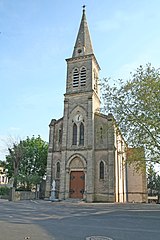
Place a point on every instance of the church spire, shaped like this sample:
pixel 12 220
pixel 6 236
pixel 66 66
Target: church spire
pixel 83 45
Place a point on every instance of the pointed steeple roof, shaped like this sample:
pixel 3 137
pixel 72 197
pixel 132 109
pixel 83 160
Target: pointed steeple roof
pixel 83 45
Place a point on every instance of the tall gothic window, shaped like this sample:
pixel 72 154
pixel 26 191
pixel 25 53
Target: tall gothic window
pixel 101 134
pixel 58 170
pixel 81 134
pixel 83 76
pixel 75 77
pixel 74 140
pixel 95 82
pixel 101 170
pixel 60 136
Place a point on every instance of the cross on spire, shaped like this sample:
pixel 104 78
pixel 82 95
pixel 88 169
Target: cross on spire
pixel 84 7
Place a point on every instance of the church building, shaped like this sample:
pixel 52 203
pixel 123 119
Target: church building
pixel 87 154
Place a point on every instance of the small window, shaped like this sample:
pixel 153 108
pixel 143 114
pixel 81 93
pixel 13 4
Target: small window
pixel 79 50
pixel 95 82
pixel 101 170
pixel 60 136
pixel 58 170
pixel 83 76
pixel 75 78
pixel 101 133
pixel 81 136
pixel 74 140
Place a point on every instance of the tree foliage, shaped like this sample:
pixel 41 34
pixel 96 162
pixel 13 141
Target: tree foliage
pixel 27 161
pixel 135 105
pixel 153 181
pixel 13 160
pixel 4 190
pixel 2 163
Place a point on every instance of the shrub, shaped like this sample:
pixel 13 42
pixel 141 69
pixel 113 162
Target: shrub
pixel 4 191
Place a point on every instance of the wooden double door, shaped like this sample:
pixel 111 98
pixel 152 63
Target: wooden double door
pixel 77 184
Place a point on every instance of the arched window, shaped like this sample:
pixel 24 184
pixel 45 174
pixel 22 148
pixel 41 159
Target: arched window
pixel 83 76
pixel 58 170
pixel 101 170
pixel 74 140
pixel 81 134
pixel 75 77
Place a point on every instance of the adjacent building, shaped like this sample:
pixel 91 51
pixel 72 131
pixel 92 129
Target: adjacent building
pixel 3 176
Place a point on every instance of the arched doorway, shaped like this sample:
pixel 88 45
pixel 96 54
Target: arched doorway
pixel 77 178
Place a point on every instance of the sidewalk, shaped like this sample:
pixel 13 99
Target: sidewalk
pixel 3 200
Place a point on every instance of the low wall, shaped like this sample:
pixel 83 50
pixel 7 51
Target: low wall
pixel 4 196
pixel 137 197
pixel 21 195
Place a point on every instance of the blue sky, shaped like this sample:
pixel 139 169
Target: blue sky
pixel 36 37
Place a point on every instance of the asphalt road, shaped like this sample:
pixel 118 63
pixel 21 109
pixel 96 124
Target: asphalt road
pixel 39 220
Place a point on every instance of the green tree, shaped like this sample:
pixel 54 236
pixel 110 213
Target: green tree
pixel 158 184
pixel 13 161
pixel 151 180
pixel 135 105
pixel 27 161
pixel 2 163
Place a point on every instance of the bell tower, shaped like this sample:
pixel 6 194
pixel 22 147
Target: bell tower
pixel 83 68
pixel 71 155
pixel 81 102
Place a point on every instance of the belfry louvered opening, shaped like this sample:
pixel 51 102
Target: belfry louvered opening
pixel 75 77
pixel 83 76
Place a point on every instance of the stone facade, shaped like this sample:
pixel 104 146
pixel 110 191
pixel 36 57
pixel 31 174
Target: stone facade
pixel 86 155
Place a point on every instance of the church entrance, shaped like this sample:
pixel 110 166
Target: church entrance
pixel 77 184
